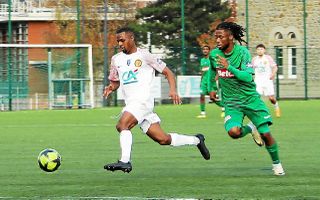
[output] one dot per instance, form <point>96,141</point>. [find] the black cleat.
<point>202,147</point>
<point>125,167</point>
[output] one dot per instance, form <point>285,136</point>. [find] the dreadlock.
<point>236,30</point>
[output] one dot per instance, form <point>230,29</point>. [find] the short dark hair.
<point>261,45</point>
<point>206,46</point>
<point>125,29</point>
<point>236,30</point>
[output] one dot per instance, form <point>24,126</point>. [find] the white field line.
<point>95,198</point>
<point>55,125</point>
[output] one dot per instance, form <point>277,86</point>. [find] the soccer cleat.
<point>125,167</point>
<point>278,169</point>
<point>202,147</point>
<point>255,135</point>
<point>278,112</point>
<point>201,116</point>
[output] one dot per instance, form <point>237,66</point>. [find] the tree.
<point>91,25</point>
<point>163,20</point>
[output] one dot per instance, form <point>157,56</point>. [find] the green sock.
<point>202,107</point>
<point>245,130</point>
<point>274,153</point>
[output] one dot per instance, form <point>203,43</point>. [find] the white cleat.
<point>278,169</point>
<point>202,115</point>
<point>255,135</point>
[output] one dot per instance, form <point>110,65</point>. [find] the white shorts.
<point>144,115</point>
<point>265,88</point>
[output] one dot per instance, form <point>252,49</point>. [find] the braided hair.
<point>236,30</point>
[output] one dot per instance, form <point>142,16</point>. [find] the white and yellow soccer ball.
<point>49,160</point>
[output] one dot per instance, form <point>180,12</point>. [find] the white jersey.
<point>136,72</point>
<point>263,67</point>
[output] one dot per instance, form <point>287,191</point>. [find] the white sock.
<point>125,144</point>
<point>203,113</point>
<point>222,109</point>
<point>276,105</point>
<point>252,126</point>
<point>180,140</point>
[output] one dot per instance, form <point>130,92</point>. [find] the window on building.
<point>292,62</point>
<point>278,36</point>
<point>292,35</point>
<point>279,60</point>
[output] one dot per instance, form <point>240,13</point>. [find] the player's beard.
<point>124,50</point>
<point>223,48</point>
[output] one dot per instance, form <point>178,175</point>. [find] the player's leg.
<point>233,123</point>
<point>153,129</point>
<point>125,123</point>
<point>202,107</point>
<point>203,93</point>
<point>270,93</point>
<point>260,116</point>
<point>272,148</point>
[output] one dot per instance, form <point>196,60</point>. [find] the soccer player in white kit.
<point>265,71</point>
<point>134,69</point>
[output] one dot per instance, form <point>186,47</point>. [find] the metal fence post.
<point>277,75</point>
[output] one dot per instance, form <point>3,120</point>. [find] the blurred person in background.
<point>265,70</point>
<point>208,84</point>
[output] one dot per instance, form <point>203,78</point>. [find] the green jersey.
<point>205,65</point>
<point>237,87</point>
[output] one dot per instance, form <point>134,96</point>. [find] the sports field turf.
<point>87,140</point>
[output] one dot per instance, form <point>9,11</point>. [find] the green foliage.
<point>163,20</point>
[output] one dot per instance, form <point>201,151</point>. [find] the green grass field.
<point>87,139</point>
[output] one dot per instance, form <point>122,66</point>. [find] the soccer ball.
<point>49,160</point>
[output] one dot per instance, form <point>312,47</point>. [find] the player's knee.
<point>234,132</point>
<point>120,127</point>
<point>268,139</point>
<point>273,100</point>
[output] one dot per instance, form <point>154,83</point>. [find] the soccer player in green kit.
<point>208,84</point>
<point>232,62</point>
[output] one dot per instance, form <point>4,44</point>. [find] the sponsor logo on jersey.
<point>129,77</point>
<point>224,73</point>
<point>205,68</point>
<point>128,62</point>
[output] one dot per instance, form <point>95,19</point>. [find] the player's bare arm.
<point>274,72</point>
<point>114,85</point>
<point>172,85</point>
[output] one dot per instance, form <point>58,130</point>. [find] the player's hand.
<point>272,77</point>
<point>107,91</point>
<point>222,61</point>
<point>175,97</point>
<point>213,96</point>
